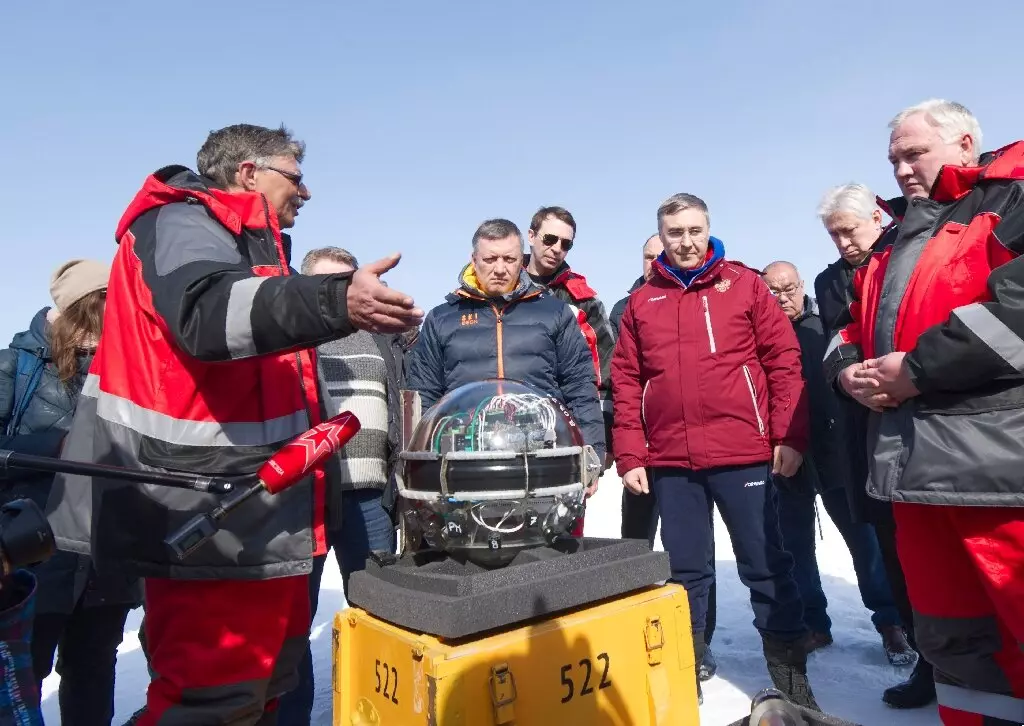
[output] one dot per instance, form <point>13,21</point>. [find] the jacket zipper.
<point>707,322</point>
<point>501,351</point>
<point>643,404</point>
<point>753,399</point>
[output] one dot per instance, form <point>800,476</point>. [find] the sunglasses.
<point>550,240</point>
<point>291,176</point>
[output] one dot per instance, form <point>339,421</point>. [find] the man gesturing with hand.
<point>709,400</point>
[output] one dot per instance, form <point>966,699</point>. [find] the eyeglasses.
<point>550,240</point>
<point>788,291</point>
<point>291,176</point>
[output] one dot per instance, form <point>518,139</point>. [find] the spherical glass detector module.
<point>493,468</point>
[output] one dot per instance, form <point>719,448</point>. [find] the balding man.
<point>822,473</point>
<point>933,345</point>
<point>639,511</point>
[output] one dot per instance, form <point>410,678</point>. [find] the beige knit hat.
<point>75,279</point>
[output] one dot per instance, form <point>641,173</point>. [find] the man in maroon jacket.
<point>709,398</point>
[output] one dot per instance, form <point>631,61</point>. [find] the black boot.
<point>699,649</point>
<point>787,665</point>
<point>916,692</point>
<point>708,666</point>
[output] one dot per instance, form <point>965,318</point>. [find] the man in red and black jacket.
<point>709,398</point>
<point>551,235</point>
<point>933,345</point>
<point>207,366</point>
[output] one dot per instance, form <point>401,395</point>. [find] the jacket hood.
<point>955,182</point>
<point>569,279</point>
<point>36,337</point>
<point>469,286</point>
<point>234,210</point>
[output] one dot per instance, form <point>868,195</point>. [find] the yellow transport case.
<point>621,662</point>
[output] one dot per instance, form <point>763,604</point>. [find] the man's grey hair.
<point>952,120</point>
<point>497,229</point>
<point>678,202</point>
<point>857,199</point>
<point>228,147</point>
<point>334,254</point>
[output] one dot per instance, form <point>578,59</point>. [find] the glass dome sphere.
<point>493,468</point>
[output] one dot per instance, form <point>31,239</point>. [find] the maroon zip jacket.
<point>706,375</point>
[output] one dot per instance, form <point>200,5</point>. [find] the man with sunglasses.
<point>551,234</point>
<point>206,366</point>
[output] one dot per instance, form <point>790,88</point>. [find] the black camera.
<point>25,536</point>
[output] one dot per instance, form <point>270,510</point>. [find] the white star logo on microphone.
<point>321,441</point>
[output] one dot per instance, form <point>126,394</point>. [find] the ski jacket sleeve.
<point>844,349</point>
<point>577,381</point>
<point>42,443</point>
<point>598,320</point>
<point>778,352</point>
<point>8,371</point>
<point>830,304</point>
<point>615,317</point>
<point>425,364</point>
<point>629,440</point>
<point>211,301</point>
<point>982,341</point>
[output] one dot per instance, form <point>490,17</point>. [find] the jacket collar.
<point>688,278</point>
<point>172,184</point>
<point>810,310</point>
<point>469,287</point>
<point>955,182</point>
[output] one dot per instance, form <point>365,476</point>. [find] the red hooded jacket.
<point>706,375</point>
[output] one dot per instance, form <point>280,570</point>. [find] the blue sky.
<point>424,118</point>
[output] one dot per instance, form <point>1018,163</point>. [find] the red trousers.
<point>964,568</point>
<point>223,650</point>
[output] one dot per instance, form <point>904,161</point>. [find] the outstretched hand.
<point>375,307</point>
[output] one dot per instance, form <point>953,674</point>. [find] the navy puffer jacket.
<point>66,577</point>
<point>527,335</point>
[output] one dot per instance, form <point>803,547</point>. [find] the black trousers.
<point>885,529</point>
<point>640,521</point>
<point>85,642</point>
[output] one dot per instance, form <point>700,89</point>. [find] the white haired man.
<point>852,216</point>
<point>933,345</point>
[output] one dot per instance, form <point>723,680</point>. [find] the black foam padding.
<point>450,599</point>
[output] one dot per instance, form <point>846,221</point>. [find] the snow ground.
<point>848,678</point>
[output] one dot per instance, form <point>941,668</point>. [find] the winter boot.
<point>699,650</point>
<point>787,665</point>
<point>708,666</point>
<point>916,692</point>
<point>897,648</point>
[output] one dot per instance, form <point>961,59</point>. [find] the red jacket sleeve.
<point>778,352</point>
<point>628,436</point>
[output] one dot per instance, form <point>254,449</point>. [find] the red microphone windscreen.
<point>300,456</point>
